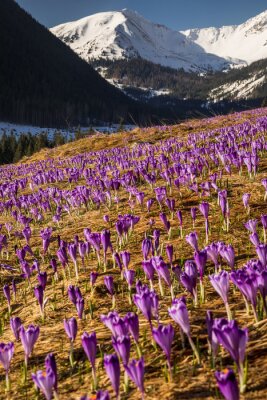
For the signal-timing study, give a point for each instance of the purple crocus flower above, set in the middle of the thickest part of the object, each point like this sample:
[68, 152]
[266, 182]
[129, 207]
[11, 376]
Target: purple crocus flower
[163, 336]
[71, 328]
[94, 239]
[62, 256]
[169, 252]
[93, 278]
[190, 283]
[6, 354]
[50, 363]
[254, 238]
[146, 247]
[106, 218]
[45, 382]
[117, 260]
[129, 275]
[26, 232]
[170, 203]
[119, 228]
[108, 280]
[89, 344]
[192, 239]
[133, 325]
[149, 271]
[125, 257]
[180, 219]
[227, 384]
[53, 263]
[136, 370]
[228, 253]
[234, 340]
[80, 307]
[204, 209]
[261, 251]
[220, 282]
[147, 302]
[164, 272]
[116, 324]
[245, 199]
[262, 285]
[251, 225]
[15, 324]
[120, 326]
[42, 279]
[46, 237]
[112, 367]
[200, 258]
[72, 250]
[165, 221]
[179, 313]
[122, 346]
[83, 248]
[100, 395]
[74, 294]
[149, 204]
[156, 236]
[28, 339]
[39, 294]
[213, 254]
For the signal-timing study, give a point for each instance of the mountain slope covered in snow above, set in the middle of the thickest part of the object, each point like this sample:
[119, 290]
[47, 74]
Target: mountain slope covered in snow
[125, 34]
[247, 41]
[139, 56]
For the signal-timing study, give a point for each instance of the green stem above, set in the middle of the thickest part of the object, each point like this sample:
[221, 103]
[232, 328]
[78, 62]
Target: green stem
[195, 351]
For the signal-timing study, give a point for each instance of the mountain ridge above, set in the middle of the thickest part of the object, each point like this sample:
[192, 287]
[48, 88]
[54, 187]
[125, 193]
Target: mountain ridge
[238, 41]
[126, 34]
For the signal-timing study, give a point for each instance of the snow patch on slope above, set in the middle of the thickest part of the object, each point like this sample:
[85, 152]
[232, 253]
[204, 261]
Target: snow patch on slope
[237, 90]
[9, 128]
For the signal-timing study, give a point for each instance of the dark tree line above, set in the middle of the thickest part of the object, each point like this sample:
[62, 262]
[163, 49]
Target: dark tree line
[13, 148]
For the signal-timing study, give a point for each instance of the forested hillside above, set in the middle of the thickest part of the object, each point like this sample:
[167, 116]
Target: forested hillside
[44, 83]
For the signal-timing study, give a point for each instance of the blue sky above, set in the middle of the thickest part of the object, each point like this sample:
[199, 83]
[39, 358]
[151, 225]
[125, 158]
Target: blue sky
[177, 14]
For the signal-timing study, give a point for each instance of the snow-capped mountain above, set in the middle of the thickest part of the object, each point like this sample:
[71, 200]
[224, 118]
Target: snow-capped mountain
[247, 42]
[126, 34]
[108, 39]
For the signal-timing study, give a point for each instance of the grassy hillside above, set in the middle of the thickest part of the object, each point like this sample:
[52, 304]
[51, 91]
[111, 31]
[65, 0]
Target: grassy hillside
[71, 188]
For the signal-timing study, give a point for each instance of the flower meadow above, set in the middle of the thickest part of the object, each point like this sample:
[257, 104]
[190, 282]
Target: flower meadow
[138, 270]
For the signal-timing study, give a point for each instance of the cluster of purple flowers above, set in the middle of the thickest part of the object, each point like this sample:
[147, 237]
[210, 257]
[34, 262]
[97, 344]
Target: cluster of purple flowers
[142, 190]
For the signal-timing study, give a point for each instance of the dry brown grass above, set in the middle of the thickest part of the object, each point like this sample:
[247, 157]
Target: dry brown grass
[190, 381]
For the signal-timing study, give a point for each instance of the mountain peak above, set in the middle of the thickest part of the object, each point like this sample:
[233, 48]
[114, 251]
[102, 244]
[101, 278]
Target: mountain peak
[126, 34]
